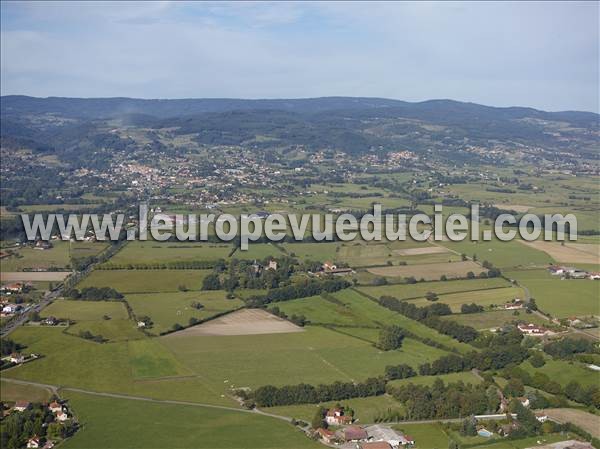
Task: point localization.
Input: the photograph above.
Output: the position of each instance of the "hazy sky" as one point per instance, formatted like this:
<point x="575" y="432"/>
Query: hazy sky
<point x="544" y="55"/>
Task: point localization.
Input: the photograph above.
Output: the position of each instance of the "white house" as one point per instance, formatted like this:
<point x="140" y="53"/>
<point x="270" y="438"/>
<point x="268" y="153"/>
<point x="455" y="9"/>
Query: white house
<point x="21" y="406"/>
<point x="541" y="417"/>
<point x="55" y="407"/>
<point x="15" y="357"/>
<point x="62" y="416"/>
<point x="524" y="401"/>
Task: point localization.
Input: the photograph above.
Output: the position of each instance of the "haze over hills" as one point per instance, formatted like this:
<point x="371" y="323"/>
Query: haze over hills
<point x="352" y="125"/>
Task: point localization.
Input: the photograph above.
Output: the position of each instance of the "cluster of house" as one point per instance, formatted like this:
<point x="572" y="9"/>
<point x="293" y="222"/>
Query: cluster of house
<point x="258" y="268"/>
<point x="61" y="415"/>
<point x="331" y="268"/>
<point x="515" y="304"/>
<point x="573" y="273"/>
<point x="371" y="437"/>
<point x="8" y="307"/>
<point x="17" y="358"/>
<point x="533" y="330"/>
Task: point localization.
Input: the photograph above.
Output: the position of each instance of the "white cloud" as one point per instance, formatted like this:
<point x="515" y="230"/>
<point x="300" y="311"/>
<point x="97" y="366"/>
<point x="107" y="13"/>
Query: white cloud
<point x="543" y="55"/>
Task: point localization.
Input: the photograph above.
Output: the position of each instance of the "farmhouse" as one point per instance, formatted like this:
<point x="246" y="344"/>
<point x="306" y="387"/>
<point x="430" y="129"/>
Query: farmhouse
<point x="272" y="265"/>
<point x="16" y="287"/>
<point x="55" y="407"/>
<point x="21" y="406"/>
<point x="11" y="308"/>
<point x="331" y="268"/>
<point x="336" y="417"/>
<point x="326" y="435"/>
<point x="524" y="401"/>
<point x="541" y="416"/>
<point x="514" y="304"/>
<point x="62" y="416"/>
<point x="42" y="245"/>
<point x="595" y="276"/>
<point x="381" y="433"/>
<point x="16" y="357"/>
<point x="354" y="433"/>
<point x="533" y="330"/>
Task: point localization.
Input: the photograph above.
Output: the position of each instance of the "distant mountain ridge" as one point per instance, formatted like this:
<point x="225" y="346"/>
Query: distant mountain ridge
<point x="358" y="125"/>
<point x="102" y="108"/>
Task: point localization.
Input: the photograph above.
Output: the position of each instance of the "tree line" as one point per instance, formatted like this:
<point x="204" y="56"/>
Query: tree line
<point x="428" y="315"/>
<point x="301" y="290"/>
<point x="94" y="294"/>
<point x="269" y="395"/>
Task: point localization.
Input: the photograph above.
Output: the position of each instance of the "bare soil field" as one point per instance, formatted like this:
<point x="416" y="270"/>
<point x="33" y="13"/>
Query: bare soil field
<point x="587" y="421"/>
<point x="431" y="271"/>
<point x="34" y="276"/>
<point x="421" y="251"/>
<point x="515" y="207"/>
<point x="241" y="322"/>
<point x="569" y="252"/>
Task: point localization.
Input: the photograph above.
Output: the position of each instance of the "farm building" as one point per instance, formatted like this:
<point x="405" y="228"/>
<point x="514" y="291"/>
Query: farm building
<point x="514" y="304"/>
<point x="336" y="417"/>
<point x="532" y="329"/>
<point x="326" y="435"/>
<point x="21" y="406"/>
<point x="354" y="434"/>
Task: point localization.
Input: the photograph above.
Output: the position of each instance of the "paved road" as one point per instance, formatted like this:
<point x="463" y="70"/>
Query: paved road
<point x="47" y="299"/>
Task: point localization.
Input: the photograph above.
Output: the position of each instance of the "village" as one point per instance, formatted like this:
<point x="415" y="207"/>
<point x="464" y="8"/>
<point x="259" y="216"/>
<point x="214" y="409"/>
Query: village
<point x="53" y="421"/>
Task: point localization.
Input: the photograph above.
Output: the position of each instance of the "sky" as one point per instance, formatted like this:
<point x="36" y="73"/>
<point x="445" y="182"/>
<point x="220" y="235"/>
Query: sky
<point x="538" y="54"/>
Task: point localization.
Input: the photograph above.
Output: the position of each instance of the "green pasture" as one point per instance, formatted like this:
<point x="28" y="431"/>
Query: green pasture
<point x="496" y="296"/>
<point x="366" y="410"/>
<point x="167" y="309"/>
<point x="494" y="318"/>
<point x="110" y="423"/>
<point x="407" y="291"/>
<point x="150" y="252"/>
<point x="319" y="356"/>
<point x="558" y="297"/>
<point x="145" y="281"/>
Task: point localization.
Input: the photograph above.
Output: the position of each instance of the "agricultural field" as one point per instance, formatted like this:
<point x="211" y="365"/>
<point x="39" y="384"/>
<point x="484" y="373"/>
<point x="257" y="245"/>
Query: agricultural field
<point x="110" y="367"/>
<point x="485" y="298"/>
<point x="427" y="436"/>
<point x="312" y="251"/>
<point x="106" y="318"/>
<point x="418" y="290"/>
<point x="145" y="281"/>
<point x="320" y="356"/>
<point x="569" y="252"/>
<point x="504" y="255"/>
<point x="366" y="410"/>
<point x="350" y="308"/>
<point x="560" y="298"/>
<point x="494" y="318"/>
<point x="167" y="309"/>
<point x="466" y="377"/>
<point x="241" y="322"/>
<point x="564" y="372"/>
<point x="258" y="251"/>
<point x="170" y="427"/>
<point x="12" y="392"/>
<point x="429" y="271"/>
<point x="153" y="252"/>
<point x="57" y="257"/>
